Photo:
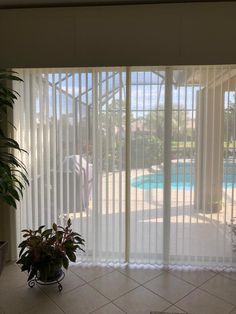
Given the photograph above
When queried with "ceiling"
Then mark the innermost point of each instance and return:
(11, 4)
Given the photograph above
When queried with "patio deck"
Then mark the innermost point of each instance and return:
(193, 233)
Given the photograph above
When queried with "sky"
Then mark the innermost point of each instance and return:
(147, 90)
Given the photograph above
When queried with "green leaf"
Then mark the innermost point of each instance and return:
(46, 233)
(21, 251)
(14, 193)
(9, 200)
(24, 268)
(65, 262)
(25, 230)
(71, 256)
(23, 243)
(32, 274)
(40, 228)
(54, 226)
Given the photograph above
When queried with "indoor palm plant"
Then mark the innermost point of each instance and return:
(13, 175)
(43, 253)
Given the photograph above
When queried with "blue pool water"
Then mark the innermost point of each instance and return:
(182, 177)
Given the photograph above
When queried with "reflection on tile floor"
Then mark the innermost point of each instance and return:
(108, 290)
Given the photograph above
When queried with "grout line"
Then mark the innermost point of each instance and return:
(234, 309)
(159, 296)
(197, 286)
(107, 273)
(78, 276)
(184, 312)
(202, 289)
(88, 281)
(139, 285)
(142, 285)
(65, 293)
(99, 293)
(175, 304)
(225, 276)
(144, 281)
(99, 308)
(122, 295)
(208, 280)
(220, 298)
(111, 301)
(119, 307)
(41, 288)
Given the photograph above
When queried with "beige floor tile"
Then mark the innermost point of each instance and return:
(70, 282)
(21, 299)
(196, 277)
(201, 302)
(89, 273)
(174, 309)
(229, 274)
(12, 277)
(113, 285)
(141, 275)
(81, 300)
(169, 287)
(10, 266)
(222, 287)
(48, 307)
(109, 309)
(78, 297)
(141, 300)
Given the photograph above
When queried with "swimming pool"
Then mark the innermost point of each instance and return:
(182, 177)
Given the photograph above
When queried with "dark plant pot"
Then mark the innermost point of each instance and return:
(53, 276)
(3, 254)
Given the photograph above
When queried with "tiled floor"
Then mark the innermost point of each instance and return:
(108, 290)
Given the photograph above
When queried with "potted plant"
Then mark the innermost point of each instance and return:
(13, 175)
(44, 252)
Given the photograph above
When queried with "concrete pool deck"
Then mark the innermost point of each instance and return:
(193, 234)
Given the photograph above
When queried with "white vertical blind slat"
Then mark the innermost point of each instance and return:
(47, 143)
(167, 166)
(120, 165)
(54, 149)
(87, 142)
(34, 127)
(40, 141)
(66, 167)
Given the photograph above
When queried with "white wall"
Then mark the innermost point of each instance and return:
(197, 33)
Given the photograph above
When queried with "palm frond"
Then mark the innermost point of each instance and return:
(13, 173)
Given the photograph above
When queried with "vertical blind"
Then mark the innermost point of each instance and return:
(72, 124)
(141, 159)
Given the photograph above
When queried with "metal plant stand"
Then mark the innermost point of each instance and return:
(57, 281)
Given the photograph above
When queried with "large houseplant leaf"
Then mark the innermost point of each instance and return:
(13, 174)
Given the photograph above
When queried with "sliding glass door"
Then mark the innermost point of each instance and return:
(141, 159)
